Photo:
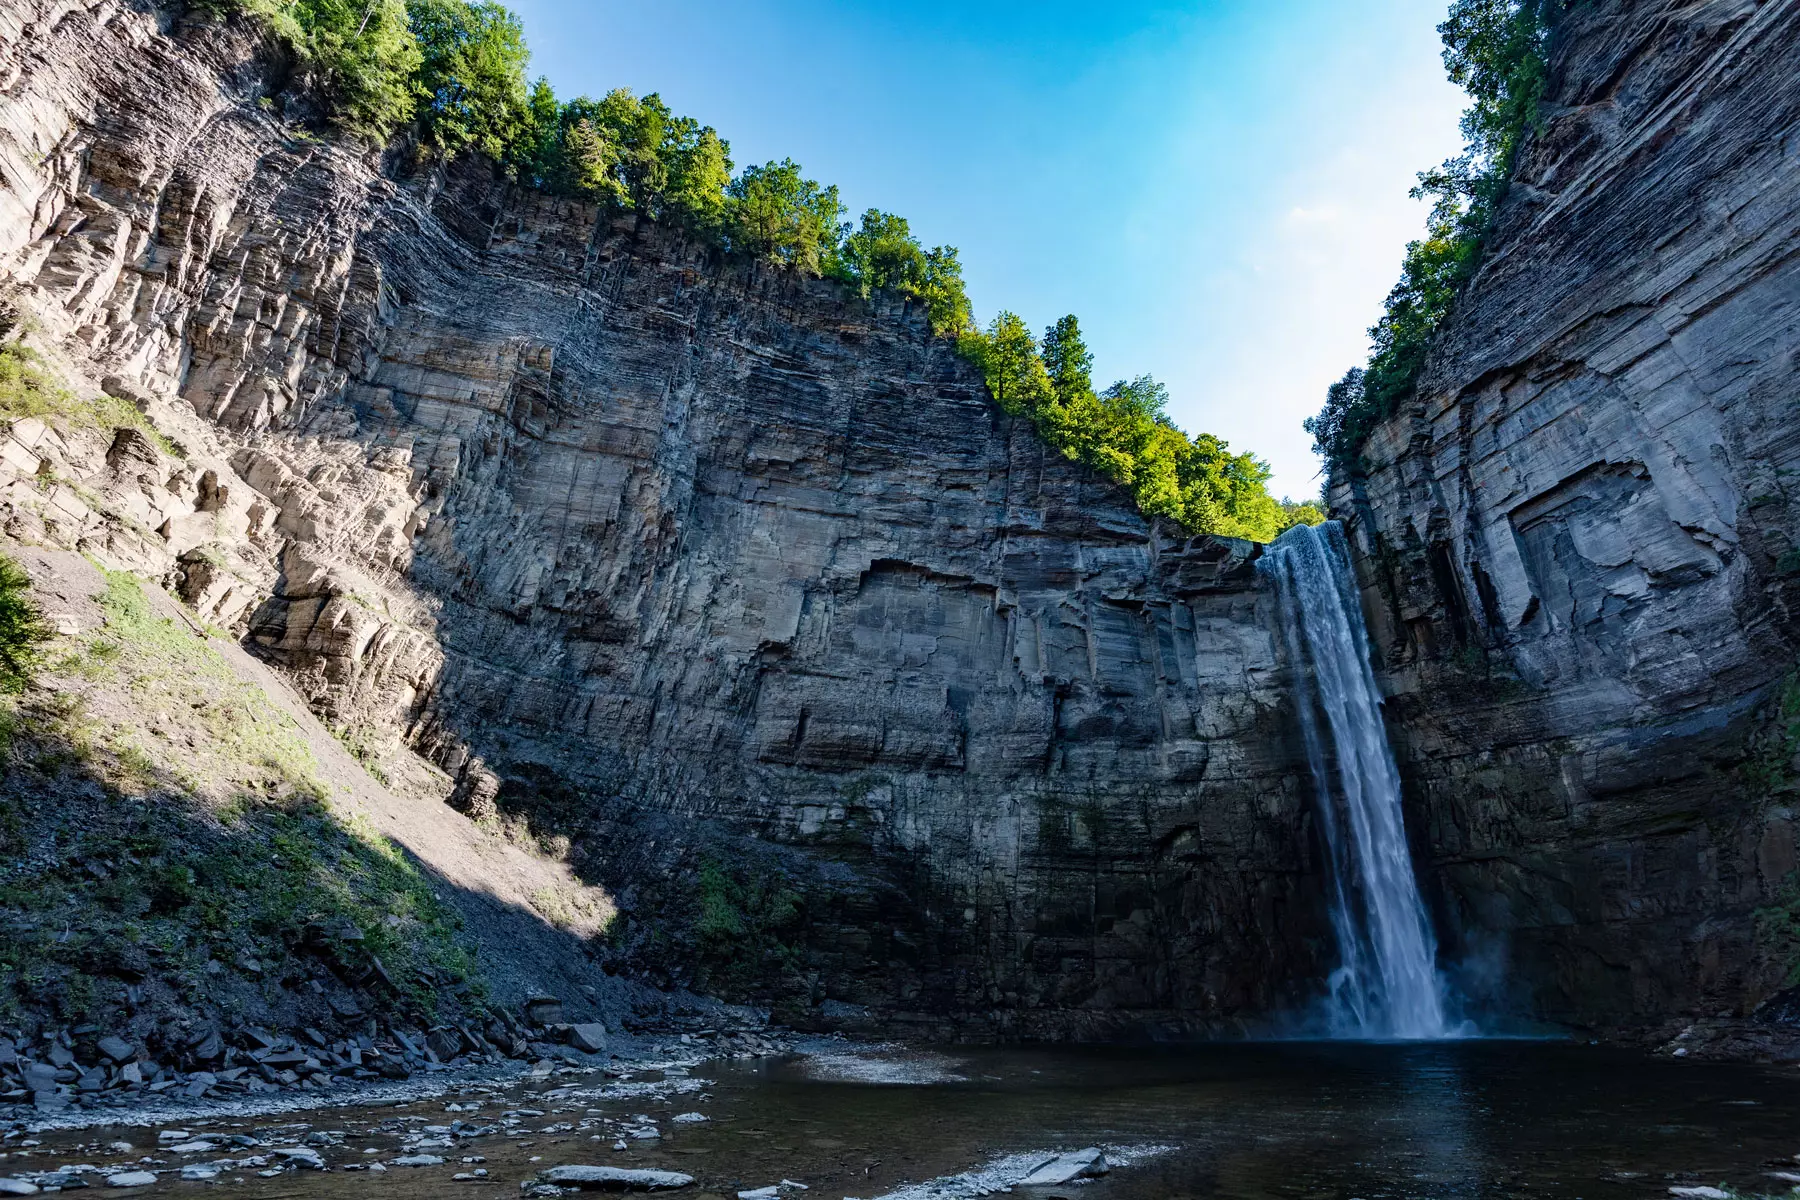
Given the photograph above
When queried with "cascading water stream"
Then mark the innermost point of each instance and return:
(1387, 984)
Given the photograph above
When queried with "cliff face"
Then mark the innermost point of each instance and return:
(739, 588)
(1581, 544)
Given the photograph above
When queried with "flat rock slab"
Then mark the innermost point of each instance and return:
(1077, 1164)
(17, 1187)
(614, 1178)
(131, 1179)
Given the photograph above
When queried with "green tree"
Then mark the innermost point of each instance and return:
(883, 253)
(1497, 50)
(1066, 359)
(471, 75)
(777, 214)
(1007, 357)
(698, 164)
(361, 56)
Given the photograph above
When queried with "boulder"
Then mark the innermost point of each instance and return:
(1077, 1164)
(617, 1179)
(589, 1036)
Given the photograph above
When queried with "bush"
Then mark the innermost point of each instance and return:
(23, 630)
(1497, 51)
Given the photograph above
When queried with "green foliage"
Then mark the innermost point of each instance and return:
(779, 215)
(1124, 432)
(471, 75)
(883, 253)
(23, 630)
(1496, 50)
(747, 923)
(28, 389)
(359, 56)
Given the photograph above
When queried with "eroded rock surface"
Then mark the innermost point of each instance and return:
(739, 584)
(1582, 542)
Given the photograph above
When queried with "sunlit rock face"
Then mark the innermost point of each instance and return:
(1581, 546)
(705, 571)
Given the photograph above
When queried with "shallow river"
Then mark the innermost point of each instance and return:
(1294, 1120)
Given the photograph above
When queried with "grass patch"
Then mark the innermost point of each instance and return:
(28, 389)
(208, 859)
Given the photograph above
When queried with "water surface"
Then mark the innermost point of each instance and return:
(1296, 1121)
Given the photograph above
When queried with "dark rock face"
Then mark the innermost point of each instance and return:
(740, 585)
(1580, 543)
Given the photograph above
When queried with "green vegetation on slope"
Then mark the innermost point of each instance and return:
(456, 71)
(1495, 50)
(162, 821)
(28, 389)
(23, 630)
(1124, 433)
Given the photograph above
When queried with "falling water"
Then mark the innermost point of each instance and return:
(1386, 984)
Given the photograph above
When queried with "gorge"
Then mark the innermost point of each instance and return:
(714, 631)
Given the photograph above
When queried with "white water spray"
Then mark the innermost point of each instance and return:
(1387, 983)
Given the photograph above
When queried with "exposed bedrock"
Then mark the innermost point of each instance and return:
(1581, 544)
(856, 696)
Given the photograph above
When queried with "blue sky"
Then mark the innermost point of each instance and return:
(1217, 188)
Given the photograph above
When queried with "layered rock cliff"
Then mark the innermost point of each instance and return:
(735, 588)
(1581, 542)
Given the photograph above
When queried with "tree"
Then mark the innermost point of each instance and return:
(361, 56)
(1497, 50)
(1007, 358)
(471, 75)
(1067, 361)
(699, 170)
(777, 214)
(883, 253)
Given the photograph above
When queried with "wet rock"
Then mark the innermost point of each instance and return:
(543, 1010)
(17, 1187)
(1077, 1164)
(115, 1048)
(588, 1036)
(614, 1178)
(128, 1179)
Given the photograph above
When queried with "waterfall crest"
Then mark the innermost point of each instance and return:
(1386, 984)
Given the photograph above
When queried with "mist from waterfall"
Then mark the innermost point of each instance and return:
(1386, 984)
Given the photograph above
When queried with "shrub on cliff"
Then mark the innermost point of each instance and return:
(23, 630)
(1496, 50)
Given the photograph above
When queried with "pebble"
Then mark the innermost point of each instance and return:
(692, 1118)
(467, 1176)
(199, 1171)
(416, 1160)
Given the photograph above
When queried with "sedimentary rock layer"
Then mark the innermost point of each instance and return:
(730, 579)
(1582, 543)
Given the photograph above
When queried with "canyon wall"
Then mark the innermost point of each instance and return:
(1581, 543)
(732, 586)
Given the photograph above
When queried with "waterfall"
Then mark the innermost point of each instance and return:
(1386, 984)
